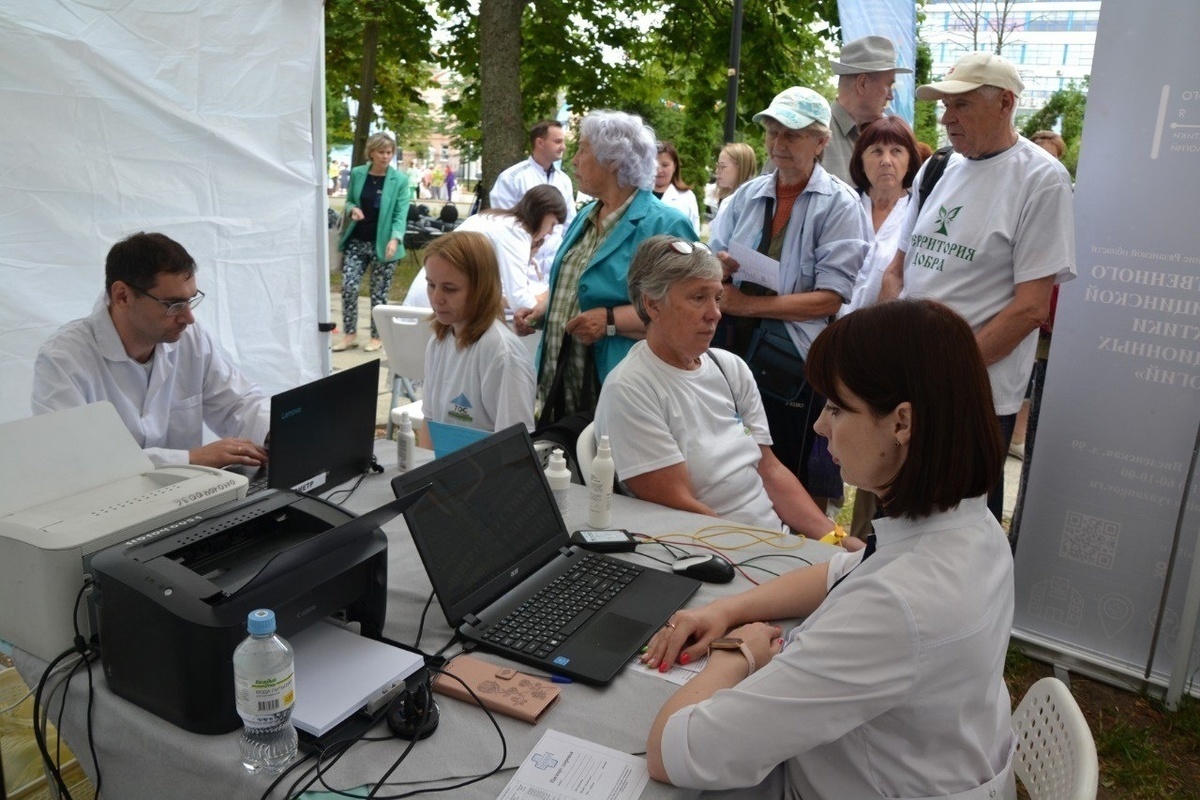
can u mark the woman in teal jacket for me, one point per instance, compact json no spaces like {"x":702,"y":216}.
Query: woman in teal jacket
{"x":588,"y":307}
{"x":377,"y":213}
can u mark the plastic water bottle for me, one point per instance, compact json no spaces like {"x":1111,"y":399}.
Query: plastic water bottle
{"x":406,"y":443}
{"x":601,"y":486}
{"x":559,"y":478}
{"x":263,"y":675}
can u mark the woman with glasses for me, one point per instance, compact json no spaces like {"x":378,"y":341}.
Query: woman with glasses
{"x":377,"y":213}
{"x":516,"y":234}
{"x":736,"y":164}
{"x":813,"y":235}
{"x":686,"y":423}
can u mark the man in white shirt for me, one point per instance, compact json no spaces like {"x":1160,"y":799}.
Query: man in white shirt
{"x":141,"y":350}
{"x":996,"y":233}
{"x":547,"y":143}
{"x":866,"y":70}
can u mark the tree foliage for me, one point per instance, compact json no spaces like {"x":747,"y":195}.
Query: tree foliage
{"x":925,"y":114}
{"x":665,"y":62}
{"x":1063,"y":112}
{"x":392,"y":87}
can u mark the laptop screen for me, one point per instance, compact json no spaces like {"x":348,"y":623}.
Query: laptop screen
{"x":486,"y":523}
{"x":323,"y":433}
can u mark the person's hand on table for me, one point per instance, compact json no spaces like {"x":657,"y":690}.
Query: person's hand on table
{"x":226,"y":452}
{"x":763,"y":640}
{"x":685,"y":637}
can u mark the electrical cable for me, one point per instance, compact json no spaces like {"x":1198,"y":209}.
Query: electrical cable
{"x":421,"y":624}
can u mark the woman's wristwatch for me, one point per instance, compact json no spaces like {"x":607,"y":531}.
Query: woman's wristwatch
{"x":610,"y":328}
{"x":734,"y":643}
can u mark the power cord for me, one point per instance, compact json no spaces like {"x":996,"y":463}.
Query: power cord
{"x":41,"y":710}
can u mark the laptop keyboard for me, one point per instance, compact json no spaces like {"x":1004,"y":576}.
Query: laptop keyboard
{"x":258,"y":484}
{"x":543,"y":622}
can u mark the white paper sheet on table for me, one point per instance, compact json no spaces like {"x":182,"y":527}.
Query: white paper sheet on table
{"x":754,"y":267}
{"x":678,"y":674}
{"x":562,"y":767}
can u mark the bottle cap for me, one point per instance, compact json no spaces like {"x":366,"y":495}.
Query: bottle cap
{"x":261,"y":620}
{"x":557,"y":459}
{"x":401,"y":418}
{"x":604,"y":447}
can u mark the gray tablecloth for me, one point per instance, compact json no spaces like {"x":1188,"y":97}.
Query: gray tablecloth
{"x":142,"y":756}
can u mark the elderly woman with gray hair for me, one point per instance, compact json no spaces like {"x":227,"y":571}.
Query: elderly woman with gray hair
{"x":813,"y":228}
{"x":686,"y":423}
{"x":589,"y":322}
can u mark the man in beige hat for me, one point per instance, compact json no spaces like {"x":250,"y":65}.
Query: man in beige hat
{"x":996,"y":233}
{"x":867,"y":69}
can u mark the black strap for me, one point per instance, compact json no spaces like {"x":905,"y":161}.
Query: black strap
{"x":867,"y":552}
{"x":728,"y":383}
{"x":933,"y":172}
{"x":764,"y":240}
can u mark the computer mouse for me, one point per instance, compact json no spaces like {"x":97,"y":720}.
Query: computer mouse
{"x":708,"y":567}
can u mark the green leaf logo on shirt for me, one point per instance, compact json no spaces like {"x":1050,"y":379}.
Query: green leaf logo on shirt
{"x":945,"y":216}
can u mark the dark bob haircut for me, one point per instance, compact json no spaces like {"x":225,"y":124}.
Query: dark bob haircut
{"x":922,"y":352}
{"x":886,"y":130}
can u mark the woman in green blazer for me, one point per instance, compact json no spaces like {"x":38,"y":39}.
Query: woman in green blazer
{"x":377,"y":213}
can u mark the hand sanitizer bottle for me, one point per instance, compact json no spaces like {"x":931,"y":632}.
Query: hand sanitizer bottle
{"x":601,"y":487}
{"x":559,"y":478}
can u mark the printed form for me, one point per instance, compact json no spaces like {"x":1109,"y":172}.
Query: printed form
{"x":562,"y":767}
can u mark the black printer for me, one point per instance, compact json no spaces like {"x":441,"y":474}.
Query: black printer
{"x":170,"y":605}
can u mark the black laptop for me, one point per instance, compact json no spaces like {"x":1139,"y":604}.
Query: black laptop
{"x":322,"y":433}
{"x":495,"y":547}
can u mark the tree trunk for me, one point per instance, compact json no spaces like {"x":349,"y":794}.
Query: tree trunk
{"x":366,"y":94}
{"x":504,"y":133}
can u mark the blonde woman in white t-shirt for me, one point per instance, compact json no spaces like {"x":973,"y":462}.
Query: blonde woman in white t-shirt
{"x":477,"y":373}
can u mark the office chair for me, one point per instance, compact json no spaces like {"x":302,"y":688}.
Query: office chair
{"x":1056,"y":756}
{"x":404,"y":332}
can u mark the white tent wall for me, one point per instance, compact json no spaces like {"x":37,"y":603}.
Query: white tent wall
{"x":196,"y":119}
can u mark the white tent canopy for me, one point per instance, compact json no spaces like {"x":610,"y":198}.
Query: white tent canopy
{"x":201,"y":120}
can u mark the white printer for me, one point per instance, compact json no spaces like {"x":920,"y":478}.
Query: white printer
{"x":71,"y":483}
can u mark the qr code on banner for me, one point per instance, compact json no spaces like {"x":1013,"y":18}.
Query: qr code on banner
{"x":1089,"y":540}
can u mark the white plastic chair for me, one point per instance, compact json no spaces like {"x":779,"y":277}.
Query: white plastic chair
{"x":404,"y":332}
{"x":1056,"y":756}
{"x":585,"y":452}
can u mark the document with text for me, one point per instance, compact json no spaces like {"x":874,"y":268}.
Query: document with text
{"x":754,"y":267}
{"x":563,"y":767}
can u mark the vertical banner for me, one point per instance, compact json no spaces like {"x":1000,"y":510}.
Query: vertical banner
{"x":897,"y":20}
{"x":1100,"y":576}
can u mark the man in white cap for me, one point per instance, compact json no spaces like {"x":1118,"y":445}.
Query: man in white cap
{"x":995,"y":234}
{"x":866,"y":70}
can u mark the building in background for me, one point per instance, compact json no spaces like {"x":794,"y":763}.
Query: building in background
{"x":1050,"y":41}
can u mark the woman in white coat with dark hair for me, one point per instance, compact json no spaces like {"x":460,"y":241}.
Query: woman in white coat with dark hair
{"x":671,"y":189}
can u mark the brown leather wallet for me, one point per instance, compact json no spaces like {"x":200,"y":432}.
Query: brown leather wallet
{"x":501,"y":689}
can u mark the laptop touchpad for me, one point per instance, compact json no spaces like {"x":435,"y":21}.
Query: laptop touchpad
{"x":617,"y":633}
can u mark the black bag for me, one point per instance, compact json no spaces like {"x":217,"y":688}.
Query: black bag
{"x":777,"y":366}
{"x":555,"y":403}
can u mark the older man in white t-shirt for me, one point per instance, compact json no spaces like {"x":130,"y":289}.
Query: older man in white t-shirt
{"x":996,"y":233}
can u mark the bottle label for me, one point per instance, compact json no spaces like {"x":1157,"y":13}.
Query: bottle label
{"x":264,"y":696}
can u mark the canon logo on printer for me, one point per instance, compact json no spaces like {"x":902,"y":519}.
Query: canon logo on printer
{"x":291,"y":412}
